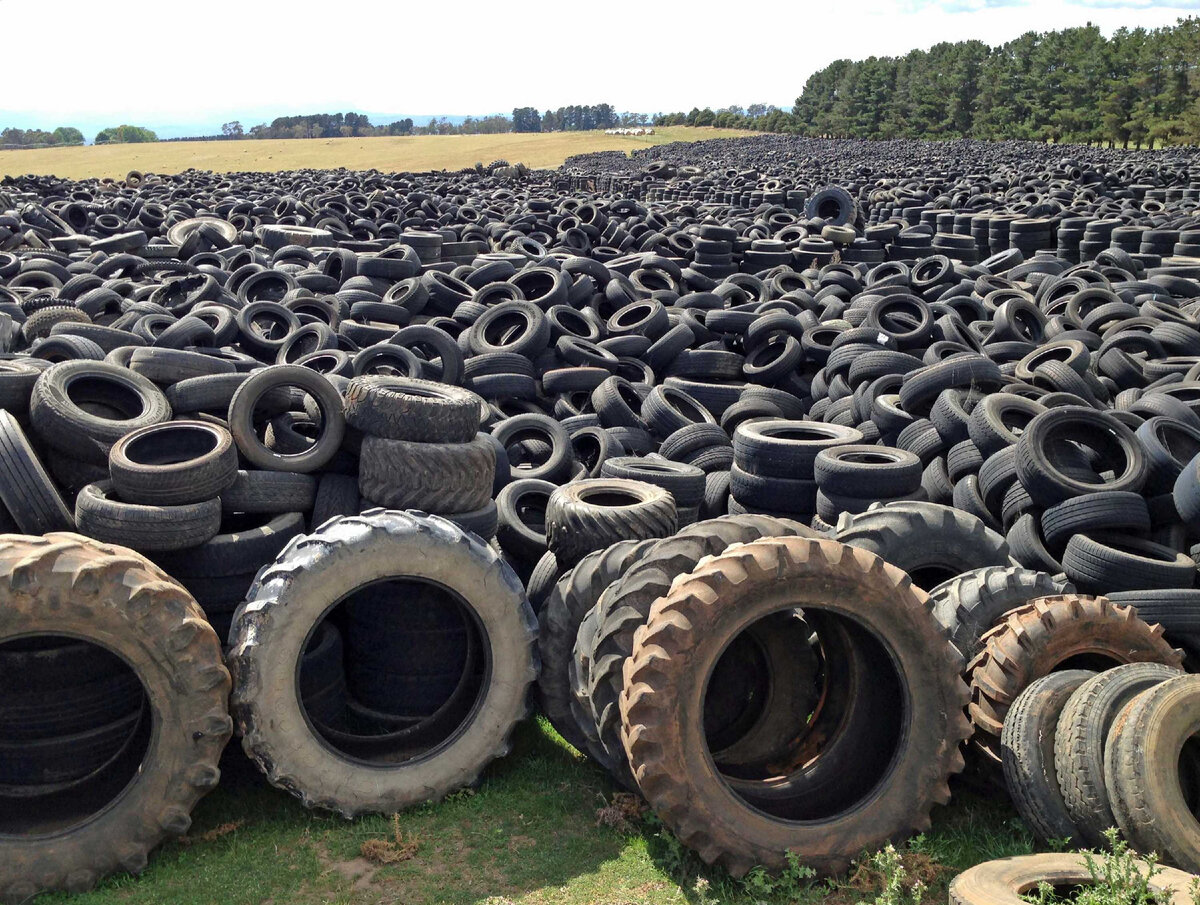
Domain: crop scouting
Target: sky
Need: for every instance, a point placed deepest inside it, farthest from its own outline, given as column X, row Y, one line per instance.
column 186, row 67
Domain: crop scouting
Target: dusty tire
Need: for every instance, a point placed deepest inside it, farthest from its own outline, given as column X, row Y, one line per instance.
column 590, row 515
column 973, row 602
column 674, row 655
column 1027, row 751
column 558, row 625
column 931, row 543
column 625, row 608
column 1035, row 639
column 291, row 597
column 1142, row 763
column 173, row 463
column 1080, row 738
column 65, row 584
column 432, row 477
column 402, row 408
column 1006, row 881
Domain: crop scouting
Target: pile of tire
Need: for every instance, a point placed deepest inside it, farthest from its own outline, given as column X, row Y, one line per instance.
column 342, row 409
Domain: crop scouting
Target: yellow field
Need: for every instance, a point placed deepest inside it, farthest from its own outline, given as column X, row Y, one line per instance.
column 423, row 152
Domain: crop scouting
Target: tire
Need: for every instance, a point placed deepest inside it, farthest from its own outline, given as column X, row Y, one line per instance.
column 921, row 388
column 173, row 463
column 1142, row 770
column 832, row 204
column 242, row 418
column 432, row 477
column 26, row 491
column 521, row 509
column 973, row 602
column 416, row 410
column 337, row 495
column 269, row 492
column 786, row 449
column 57, row 414
column 1027, row 751
column 585, row 516
column 1037, row 638
column 931, row 543
column 766, row 492
column 675, row 653
column 103, row 515
column 1104, row 511
column 245, row 545
column 1006, row 881
column 684, row 482
column 668, row 409
column 1081, row 735
column 1108, row 561
column 542, row 579
column 558, row 625
column 559, row 461
column 1176, row 610
column 850, row 470
column 204, row 394
column 1049, row 484
column 626, row 607
column 117, row 598
column 295, row 593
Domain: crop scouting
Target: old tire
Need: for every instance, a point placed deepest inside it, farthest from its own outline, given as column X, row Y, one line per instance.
column 1007, row 880
column 585, row 516
column 404, row 408
column 65, row 584
column 678, row 647
column 433, row 477
column 294, row 594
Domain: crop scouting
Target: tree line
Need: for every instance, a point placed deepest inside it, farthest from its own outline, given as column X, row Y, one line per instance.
column 37, row 138
column 1140, row 86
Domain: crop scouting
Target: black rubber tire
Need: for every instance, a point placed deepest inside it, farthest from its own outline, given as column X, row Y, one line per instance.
column 1027, row 547
column 295, row 593
column 116, row 598
column 674, row 656
column 625, row 608
column 926, row 540
column 57, row 414
column 971, row 603
column 585, row 516
column 851, row 470
column 102, row 514
column 998, row 419
column 1103, row 562
column 542, row 580
column 1142, row 771
column 558, row 625
column 28, row 494
column 560, row 460
column 522, row 518
column 246, row 544
column 403, row 408
column 173, row 463
column 786, row 449
column 432, row 477
column 1176, row 610
column 1080, row 738
column 270, row 492
column 684, row 482
column 921, row 388
column 767, row 492
column 1048, row 483
column 242, row 419
column 1103, row 511
column 667, row 409
column 1027, row 745
column 337, row 495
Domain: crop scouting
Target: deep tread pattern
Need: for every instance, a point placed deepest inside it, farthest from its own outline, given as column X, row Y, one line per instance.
column 573, row 595
column 576, row 527
column 281, row 609
column 1034, row 639
column 664, row 741
column 1080, row 737
column 625, row 609
column 434, row 477
column 102, row 590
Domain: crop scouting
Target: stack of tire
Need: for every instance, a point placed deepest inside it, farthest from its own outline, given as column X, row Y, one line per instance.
column 1084, row 752
column 421, row 449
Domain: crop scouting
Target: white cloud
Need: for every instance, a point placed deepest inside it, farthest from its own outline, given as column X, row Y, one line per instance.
column 176, row 62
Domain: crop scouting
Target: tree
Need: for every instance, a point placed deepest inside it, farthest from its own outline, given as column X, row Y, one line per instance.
column 68, row 135
column 232, row 129
column 526, row 119
column 125, row 134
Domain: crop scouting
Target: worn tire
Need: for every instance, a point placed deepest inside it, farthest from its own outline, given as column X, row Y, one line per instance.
column 404, row 408
column 67, row 584
column 432, row 477
column 1008, row 880
column 173, row 463
column 26, row 491
column 585, row 516
column 1035, row 639
column 293, row 594
column 674, row 654
column 103, row 515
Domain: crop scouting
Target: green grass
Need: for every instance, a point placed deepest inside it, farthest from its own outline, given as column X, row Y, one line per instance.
column 528, row 835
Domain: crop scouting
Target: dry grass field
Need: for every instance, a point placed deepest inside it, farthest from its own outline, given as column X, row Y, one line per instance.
column 423, row 152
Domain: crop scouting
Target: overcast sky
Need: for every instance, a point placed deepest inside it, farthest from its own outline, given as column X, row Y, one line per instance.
column 166, row 62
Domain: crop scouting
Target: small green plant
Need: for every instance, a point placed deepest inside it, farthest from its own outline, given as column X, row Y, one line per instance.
column 897, row 888
column 1117, row 878
column 793, row 881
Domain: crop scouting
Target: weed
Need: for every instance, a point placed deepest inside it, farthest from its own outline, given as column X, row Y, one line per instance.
column 391, row 851
column 1117, row 878
column 793, row 881
column 892, row 879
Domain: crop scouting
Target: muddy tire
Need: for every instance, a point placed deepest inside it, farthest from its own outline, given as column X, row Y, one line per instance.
column 1034, row 640
column 673, row 658
column 293, row 595
column 65, row 584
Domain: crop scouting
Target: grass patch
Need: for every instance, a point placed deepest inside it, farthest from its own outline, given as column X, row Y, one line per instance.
column 544, row 827
column 389, row 154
